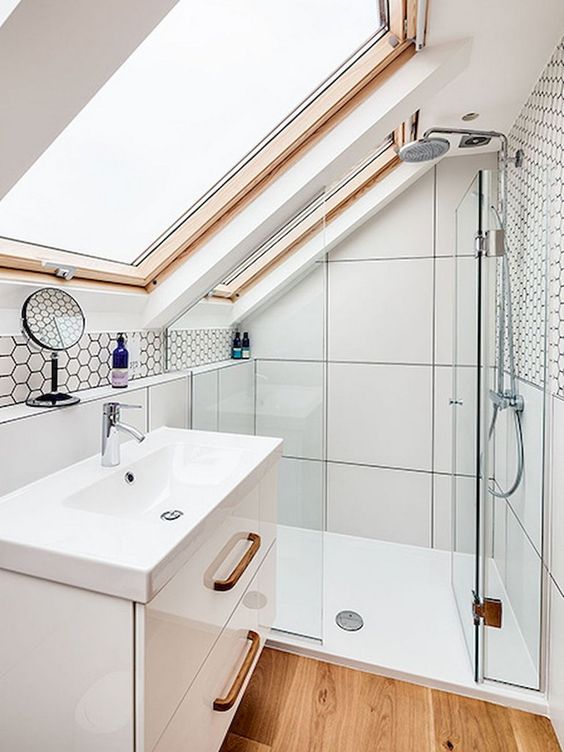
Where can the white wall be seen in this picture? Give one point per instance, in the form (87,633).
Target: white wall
(223,399)
(35,443)
(354,366)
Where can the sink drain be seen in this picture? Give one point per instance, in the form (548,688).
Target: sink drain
(171,515)
(350,621)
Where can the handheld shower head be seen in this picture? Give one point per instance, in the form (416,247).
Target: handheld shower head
(424,149)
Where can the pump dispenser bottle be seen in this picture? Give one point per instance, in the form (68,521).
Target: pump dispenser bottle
(120,364)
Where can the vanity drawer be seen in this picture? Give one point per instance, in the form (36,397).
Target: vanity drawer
(178,628)
(207,709)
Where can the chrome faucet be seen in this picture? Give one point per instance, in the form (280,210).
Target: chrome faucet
(111,427)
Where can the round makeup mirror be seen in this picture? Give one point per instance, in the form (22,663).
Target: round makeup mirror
(53,320)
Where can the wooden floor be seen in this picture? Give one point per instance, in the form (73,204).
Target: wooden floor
(295,704)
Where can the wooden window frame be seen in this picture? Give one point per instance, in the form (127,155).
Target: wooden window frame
(322,212)
(393,48)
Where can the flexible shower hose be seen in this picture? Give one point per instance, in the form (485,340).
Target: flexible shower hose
(506,319)
(501,494)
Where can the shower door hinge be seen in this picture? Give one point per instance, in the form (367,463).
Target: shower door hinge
(490,243)
(495,241)
(480,244)
(488,611)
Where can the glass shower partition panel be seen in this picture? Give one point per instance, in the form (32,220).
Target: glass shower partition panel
(513,522)
(498,402)
(467,372)
(291,404)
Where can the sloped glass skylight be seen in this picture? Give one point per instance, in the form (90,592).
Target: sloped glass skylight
(308,217)
(208,85)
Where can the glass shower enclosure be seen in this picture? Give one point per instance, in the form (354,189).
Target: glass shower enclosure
(498,423)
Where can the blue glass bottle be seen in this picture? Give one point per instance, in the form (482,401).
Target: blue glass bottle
(236,350)
(246,346)
(120,364)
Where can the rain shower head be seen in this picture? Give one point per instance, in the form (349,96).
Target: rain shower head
(424,149)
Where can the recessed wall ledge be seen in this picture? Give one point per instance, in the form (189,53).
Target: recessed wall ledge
(22,411)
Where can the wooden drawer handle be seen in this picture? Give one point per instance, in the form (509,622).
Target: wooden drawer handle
(246,559)
(223,704)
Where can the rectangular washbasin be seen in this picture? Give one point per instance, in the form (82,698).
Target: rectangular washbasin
(163,476)
(110,529)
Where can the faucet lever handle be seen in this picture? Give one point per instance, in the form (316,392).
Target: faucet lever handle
(112,409)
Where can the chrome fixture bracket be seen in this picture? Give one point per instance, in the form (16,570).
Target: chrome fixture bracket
(63,272)
(489,243)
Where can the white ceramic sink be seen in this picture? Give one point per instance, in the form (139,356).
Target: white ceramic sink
(164,477)
(101,528)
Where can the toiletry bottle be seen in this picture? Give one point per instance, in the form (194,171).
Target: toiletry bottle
(246,346)
(120,364)
(236,351)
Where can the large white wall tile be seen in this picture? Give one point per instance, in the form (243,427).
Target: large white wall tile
(390,505)
(404,228)
(39,445)
(454,176)
(205,413)
(168,404)
(527,501)
(499,535)
(289,405)
(463,491)
(301,498)
(466,423)
(380,415)
(381,311)
(237,398)
(442,512)
(466,322)
(523,572)
(556,663)
(291,326)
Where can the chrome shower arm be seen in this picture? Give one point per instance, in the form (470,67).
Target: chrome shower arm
(472,132)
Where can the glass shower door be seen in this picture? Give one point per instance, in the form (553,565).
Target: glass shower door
(498,406)
(469,382)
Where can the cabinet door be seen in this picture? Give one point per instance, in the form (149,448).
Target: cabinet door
(207,709)
(66,668)
(179,627)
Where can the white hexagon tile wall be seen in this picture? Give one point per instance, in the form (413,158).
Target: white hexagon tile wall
(25,370)
(535,229)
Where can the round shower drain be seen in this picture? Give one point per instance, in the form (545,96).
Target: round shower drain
(350,621)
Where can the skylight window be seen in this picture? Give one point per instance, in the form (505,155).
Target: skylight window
(196,98)
(311,219)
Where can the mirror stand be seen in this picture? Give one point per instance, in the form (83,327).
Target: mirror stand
(54,398)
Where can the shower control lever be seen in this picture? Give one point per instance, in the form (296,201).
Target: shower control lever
(507,399)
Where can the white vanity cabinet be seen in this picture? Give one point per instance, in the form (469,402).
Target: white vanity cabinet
(225,590)
(208,707)
(86,669)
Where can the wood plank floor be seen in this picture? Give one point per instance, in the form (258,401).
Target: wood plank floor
(295,704)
